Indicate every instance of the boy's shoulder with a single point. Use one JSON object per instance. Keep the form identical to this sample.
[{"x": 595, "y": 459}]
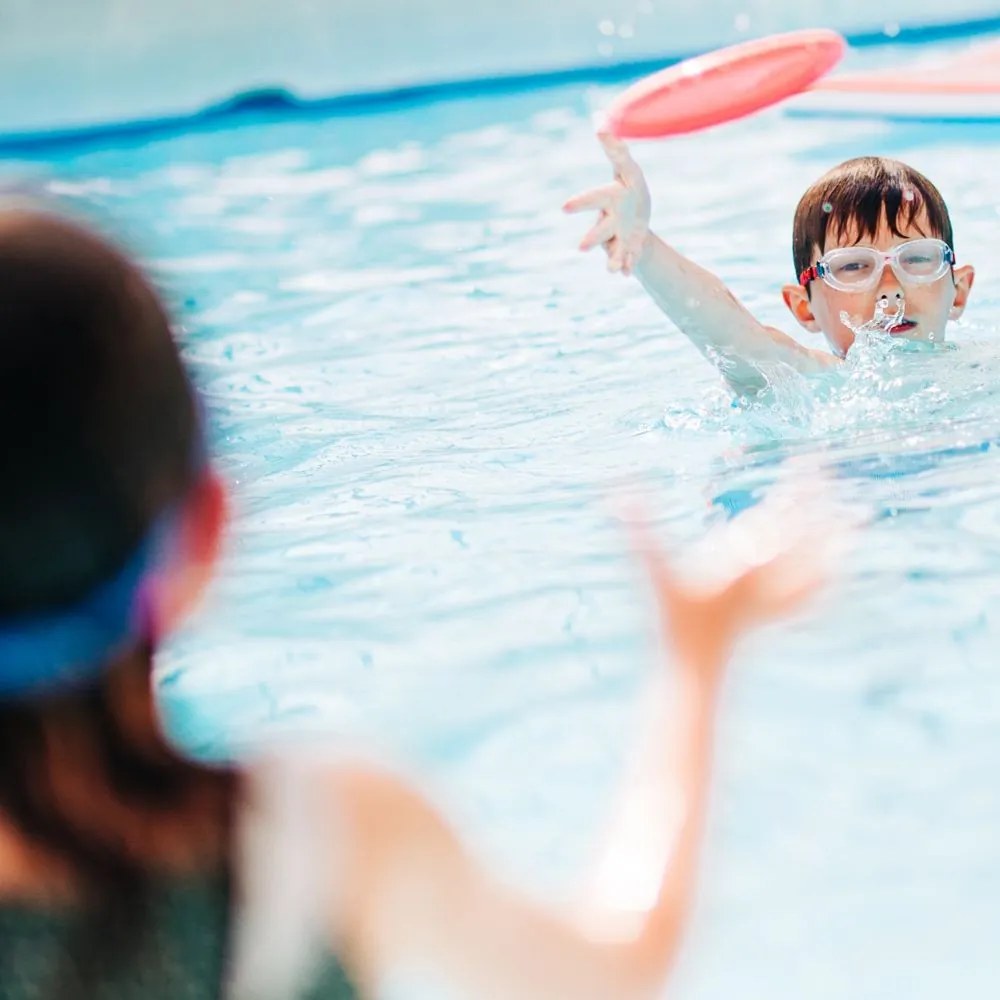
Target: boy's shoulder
[{"x": 807, "y": 360}]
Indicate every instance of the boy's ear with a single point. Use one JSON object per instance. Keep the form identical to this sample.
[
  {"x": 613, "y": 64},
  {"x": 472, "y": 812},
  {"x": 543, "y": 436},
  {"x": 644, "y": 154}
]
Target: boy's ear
[
  {"x": 797, "y": 299},
  {"x": 964, "y": 278}
]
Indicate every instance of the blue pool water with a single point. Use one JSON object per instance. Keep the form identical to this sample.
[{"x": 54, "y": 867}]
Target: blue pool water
[{"x": 427, "y": 400}]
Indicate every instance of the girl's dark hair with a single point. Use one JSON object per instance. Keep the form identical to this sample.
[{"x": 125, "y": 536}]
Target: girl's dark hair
[
  {"x": 101, "y": 425},
  {"x": 855, "y": 196},
  {"x": 101, "y": 418}
]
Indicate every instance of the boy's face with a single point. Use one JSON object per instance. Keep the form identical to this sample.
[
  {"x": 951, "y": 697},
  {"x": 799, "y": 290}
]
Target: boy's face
[{"x": 926, "y": 307}]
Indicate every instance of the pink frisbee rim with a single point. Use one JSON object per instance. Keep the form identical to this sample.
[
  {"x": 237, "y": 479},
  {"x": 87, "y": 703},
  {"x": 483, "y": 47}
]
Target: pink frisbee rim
[{"x": 724, "y": 85}]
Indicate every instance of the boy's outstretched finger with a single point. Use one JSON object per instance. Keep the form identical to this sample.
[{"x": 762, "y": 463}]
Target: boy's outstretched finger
[
  {"x": 616, "y": 150},
  {"x": 600, "y": 197},
  {"x": 616, "y": 254},
  {"x": 611, "y": 247},
  {"x": 600, "y": 233}
]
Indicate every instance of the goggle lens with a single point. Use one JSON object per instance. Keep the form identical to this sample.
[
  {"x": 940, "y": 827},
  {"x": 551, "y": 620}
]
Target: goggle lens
[{"x": 860, "y": 268}]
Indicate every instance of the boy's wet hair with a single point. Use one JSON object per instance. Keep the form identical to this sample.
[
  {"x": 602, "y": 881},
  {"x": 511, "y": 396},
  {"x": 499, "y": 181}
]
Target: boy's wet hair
[{"x": 852, "y": 199}]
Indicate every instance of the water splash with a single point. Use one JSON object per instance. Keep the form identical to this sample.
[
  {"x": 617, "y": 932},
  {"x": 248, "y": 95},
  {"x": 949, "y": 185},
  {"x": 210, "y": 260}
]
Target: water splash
[
  {"x": 875, "y": 331},
  {"x": 886, "y": 385},
  {"x": 880, "y": 321}
]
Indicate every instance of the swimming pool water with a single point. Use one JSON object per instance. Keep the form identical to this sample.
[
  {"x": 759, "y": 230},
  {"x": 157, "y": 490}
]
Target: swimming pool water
[{"x": 427, "y": 401}]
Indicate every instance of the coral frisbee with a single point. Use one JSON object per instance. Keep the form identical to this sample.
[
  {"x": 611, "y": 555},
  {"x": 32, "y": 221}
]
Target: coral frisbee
[{"x": 724, "y": 85}]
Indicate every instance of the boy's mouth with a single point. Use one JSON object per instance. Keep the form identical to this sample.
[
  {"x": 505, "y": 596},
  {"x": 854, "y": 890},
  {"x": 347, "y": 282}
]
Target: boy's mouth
[{"x": 903, "y": 326}]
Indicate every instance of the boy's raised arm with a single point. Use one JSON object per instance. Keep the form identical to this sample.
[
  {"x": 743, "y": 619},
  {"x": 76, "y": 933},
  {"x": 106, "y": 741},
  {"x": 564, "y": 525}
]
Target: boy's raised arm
[{"x": 704, "y": 309}]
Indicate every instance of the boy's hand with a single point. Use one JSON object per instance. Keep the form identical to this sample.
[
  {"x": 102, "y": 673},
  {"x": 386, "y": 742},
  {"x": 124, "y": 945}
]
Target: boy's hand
[{"x": 623, "y": 223}]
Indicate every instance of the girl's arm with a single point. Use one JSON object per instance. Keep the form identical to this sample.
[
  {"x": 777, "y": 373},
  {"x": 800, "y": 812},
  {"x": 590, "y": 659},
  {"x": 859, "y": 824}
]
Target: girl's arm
[{"x": 411, "y": 898}]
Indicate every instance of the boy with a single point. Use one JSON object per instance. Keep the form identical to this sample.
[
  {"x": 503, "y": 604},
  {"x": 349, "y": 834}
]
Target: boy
[{"x": 871, "y": 230}]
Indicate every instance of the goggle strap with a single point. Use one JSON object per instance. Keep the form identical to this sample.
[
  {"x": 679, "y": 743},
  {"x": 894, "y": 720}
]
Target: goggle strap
[{"x": 809, "y": 274}]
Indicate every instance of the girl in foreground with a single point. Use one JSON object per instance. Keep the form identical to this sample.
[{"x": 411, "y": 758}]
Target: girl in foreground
[{"x": 127, "y": 870}]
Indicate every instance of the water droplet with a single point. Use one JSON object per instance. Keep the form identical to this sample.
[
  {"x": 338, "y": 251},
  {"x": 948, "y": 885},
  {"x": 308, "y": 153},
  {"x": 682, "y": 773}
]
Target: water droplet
[
  {"x": 891, "y": 29},
  {"x": 909, "y": 194},
  {"x": 742, "y": 22},
  {"x": 625, "y": 30},
  {"x": 606, "y": 27},
  {"x": 827, "y": 207}
]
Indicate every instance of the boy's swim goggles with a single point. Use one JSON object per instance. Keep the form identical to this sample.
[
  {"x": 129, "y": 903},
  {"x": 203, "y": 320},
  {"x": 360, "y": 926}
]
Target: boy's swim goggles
[{"x": 859, "y": 269}]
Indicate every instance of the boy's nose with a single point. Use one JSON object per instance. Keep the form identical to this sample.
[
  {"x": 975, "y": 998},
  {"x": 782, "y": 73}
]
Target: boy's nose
[{"x": 889, "y": 283}]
